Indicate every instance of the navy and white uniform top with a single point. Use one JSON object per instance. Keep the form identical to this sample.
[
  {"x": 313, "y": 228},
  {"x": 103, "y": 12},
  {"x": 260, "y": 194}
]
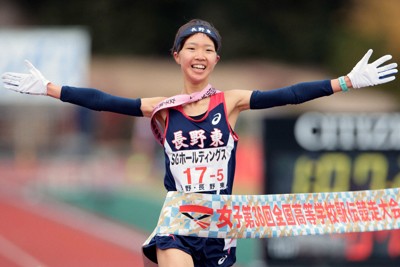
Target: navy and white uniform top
[{"x": 200, "y": 152}]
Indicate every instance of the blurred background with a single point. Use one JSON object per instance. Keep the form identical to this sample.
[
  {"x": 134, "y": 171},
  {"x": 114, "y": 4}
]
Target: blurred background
[{"x": 77, "y": 187}]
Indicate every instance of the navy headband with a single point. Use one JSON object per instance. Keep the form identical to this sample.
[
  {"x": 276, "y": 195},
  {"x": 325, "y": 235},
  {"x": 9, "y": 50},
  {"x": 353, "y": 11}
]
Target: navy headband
[{"x": 197, "y": 29}]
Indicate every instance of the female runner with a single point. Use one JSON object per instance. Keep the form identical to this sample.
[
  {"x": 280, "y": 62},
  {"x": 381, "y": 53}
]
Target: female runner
[{"x": 196, "y": 128}]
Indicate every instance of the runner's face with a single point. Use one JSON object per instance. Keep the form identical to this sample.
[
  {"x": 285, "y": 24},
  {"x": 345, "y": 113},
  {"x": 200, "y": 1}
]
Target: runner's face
[{"x": 197, "y": 58}]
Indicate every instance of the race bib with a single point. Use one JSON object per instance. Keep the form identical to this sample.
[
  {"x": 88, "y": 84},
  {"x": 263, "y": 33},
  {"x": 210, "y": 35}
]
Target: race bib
[{"x": 200, "y": 170}]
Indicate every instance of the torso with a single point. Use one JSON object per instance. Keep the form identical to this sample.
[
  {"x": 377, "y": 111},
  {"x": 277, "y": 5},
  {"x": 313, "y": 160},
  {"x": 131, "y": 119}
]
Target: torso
[{"x": 200, "y": 152}]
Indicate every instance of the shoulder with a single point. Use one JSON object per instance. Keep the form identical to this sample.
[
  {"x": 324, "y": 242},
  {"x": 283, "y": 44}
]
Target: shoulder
[
  {"x": 238, "y": 99},
  {"x": 148, "y": 104}
]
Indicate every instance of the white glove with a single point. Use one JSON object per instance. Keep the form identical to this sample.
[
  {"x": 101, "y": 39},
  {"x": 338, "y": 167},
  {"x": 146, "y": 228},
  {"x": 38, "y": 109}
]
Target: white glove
[
  {"x": 34, "y": 83},
  {"x": 364, "y": 74}
]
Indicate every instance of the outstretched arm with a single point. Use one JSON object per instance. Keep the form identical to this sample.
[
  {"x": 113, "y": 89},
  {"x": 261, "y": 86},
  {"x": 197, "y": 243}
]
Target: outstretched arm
[
  {"x": 97, "y": 100},
  {"x": 35, "y": 83},
  {"x": 364, "y": 74}
]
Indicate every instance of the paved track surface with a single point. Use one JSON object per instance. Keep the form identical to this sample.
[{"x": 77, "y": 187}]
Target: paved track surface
[{"x": 37, "y": 233}]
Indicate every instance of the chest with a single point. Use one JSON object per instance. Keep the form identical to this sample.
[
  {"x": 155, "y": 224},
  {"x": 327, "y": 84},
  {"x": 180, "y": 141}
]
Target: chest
[
  {"x": 185, "y": 132},
  {"x": 197, "y": 108}
]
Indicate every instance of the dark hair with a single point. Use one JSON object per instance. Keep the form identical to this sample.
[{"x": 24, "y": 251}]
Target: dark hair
[{"x": 192, "y": 27}]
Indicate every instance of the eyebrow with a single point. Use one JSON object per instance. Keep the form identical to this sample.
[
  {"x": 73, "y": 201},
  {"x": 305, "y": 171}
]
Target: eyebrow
[{"x": 194, "y": 43}]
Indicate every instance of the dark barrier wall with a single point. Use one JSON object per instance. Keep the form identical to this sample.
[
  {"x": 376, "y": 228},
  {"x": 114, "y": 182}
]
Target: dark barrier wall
[{"x": 321, "y": 152}]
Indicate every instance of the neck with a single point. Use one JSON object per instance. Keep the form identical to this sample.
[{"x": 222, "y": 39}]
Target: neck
[{"x": 193, "y": 88}]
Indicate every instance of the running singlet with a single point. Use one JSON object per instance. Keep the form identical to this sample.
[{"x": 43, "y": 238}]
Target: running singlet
[{"x": 200, "y": 153}]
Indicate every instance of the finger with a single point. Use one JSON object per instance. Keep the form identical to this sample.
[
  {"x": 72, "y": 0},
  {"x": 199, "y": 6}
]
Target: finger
[
  {"x": 387, "y": 73},
  {"x": 381, "y": 60},
  {"x": 30, "y": 67},
  {"x": 387, "y": 67},
  {"x": 15, "y": 89},
  {"x": 11, "y": 86},
  {"x": 11, "y": 82},
  {"x": 13, "y": 76},
  {"x": 366, "y": 57},
  {"x": 33, "y": 70},
  {"x": 7, "y": 75},
  {"x": 386, "y": 80},
  {"x": 28, "y": 64}
]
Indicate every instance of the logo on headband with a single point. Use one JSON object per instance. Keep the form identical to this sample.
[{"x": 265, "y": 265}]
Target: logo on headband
[{"x": 201, "y": 29}]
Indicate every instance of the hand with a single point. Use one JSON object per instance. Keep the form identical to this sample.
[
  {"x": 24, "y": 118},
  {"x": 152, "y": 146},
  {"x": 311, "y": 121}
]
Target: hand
[
  {"x": 34, "y": 83},
  {"x": 364, "y": 74}
]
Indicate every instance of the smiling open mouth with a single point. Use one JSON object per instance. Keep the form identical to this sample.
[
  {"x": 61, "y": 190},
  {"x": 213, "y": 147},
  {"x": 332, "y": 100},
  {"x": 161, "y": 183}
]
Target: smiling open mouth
[{"x": 199, "y": 67}]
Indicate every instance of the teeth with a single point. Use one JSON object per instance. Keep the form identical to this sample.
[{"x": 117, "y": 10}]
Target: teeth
[{"x": 199, "y": 67}]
